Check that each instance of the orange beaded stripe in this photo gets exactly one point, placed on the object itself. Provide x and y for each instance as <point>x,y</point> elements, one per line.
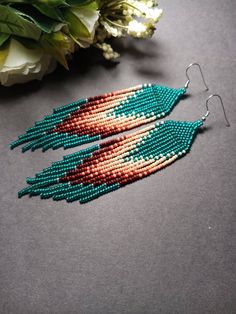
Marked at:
<point>92,118</point>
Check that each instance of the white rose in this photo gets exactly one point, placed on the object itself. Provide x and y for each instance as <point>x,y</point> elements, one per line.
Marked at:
<point>22,64</point>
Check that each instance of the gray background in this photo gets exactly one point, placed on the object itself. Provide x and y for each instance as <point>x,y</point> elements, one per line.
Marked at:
<point>165,244</point>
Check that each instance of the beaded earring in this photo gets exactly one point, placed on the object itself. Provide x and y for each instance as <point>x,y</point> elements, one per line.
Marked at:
<point>95,118</point>
<point>103,168</point>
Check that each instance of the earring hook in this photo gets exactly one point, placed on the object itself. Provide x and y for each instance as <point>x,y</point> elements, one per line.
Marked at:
<point>200,69</point>
<point>222,104</point>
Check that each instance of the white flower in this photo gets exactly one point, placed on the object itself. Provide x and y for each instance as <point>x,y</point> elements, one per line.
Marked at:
<point>134,17</point>
<point>108,51</point>
<point>114,31</point>
<point>150,12</point>
<point>137,29</point>
<point>154,14</point>
<point>22,64</point>
<point>135,26</point>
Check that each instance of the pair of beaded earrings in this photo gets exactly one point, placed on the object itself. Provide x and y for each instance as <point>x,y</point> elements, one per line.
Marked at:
<point>102,168</point>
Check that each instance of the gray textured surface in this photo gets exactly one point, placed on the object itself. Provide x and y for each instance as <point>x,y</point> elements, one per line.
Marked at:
<point>165,244</point>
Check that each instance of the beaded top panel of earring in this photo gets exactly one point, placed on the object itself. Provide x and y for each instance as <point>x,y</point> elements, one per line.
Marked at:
<point>89,173</point>
<point>91,119</point>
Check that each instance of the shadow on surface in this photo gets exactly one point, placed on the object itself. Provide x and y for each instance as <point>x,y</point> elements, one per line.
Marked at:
<point>84,61</point>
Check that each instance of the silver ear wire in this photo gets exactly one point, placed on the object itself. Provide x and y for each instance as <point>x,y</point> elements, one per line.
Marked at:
<point>208,112</point>
<point>200,69</point>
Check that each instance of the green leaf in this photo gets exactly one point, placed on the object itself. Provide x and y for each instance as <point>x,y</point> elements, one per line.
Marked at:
<point>53,13</point>
<point>53,3</point>
<point>45,23</point>
<point>3,38</point>
<point>85,3</point>
<point>12,23</point>
<point>57,45</point>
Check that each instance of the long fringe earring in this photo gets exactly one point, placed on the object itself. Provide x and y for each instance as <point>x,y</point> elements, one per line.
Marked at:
<point>92,119</point>
<point>103,168</point>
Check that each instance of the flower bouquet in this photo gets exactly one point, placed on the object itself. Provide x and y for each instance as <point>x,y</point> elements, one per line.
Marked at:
<point>35,35</point>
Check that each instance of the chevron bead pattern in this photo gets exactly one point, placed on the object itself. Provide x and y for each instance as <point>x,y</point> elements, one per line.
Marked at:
<point>91,119</point>
<point>100,169</point>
